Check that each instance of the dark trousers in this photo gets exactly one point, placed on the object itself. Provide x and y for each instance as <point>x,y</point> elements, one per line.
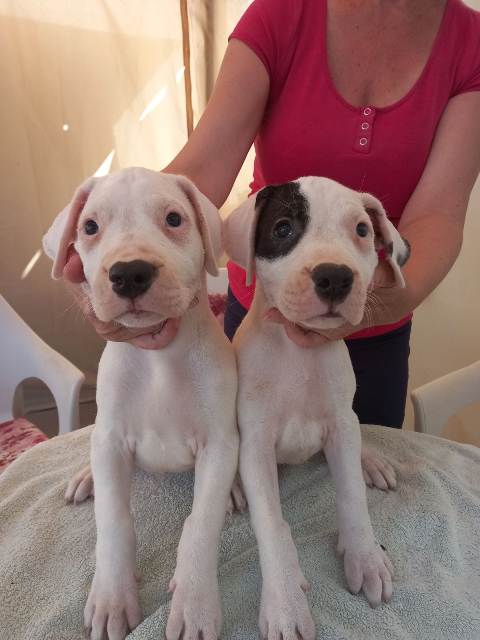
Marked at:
<point>380,364</point>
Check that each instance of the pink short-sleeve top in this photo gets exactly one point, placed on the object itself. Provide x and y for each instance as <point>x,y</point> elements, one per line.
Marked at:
<point>309,129</point>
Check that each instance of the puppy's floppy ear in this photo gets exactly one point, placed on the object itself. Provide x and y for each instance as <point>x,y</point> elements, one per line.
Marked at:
<point>209,223</point>
<point>239,231</point>
<point>62,232</point>
<point>396,248</point>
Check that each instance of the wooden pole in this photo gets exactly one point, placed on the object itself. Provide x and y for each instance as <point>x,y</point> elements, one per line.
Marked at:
<point>186,61</point>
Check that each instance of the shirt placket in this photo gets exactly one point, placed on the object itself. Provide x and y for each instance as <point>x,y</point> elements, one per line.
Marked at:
<point>363,138</point>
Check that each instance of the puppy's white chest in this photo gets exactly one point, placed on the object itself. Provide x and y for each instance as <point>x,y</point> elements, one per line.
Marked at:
<point>299,439</point>
<point>155,407</point>
<point>296,393</point>
<point>301,421</point>
<point>160,450</point>
<point>172,428</point>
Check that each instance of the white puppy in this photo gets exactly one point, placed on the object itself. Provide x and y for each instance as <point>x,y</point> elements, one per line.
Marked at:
<point>313,244</point>
<point>145,240</point>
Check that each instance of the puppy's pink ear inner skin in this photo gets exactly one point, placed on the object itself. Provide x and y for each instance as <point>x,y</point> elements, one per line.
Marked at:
<point>384,276</point>
<point>70,226</point>
<point>73,270</point>
<point>396,250</point>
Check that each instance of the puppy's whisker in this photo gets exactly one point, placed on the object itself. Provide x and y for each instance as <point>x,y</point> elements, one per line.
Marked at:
<point>368,317</point>
<point>377,302</point>
<point>372,304</point>
<point>72,305</point>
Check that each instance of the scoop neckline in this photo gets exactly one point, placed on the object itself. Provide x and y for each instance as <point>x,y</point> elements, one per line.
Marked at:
<point>413,88</point>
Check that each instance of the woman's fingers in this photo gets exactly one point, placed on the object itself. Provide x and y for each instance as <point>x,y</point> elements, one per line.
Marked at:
<point>158,339</point>
<point>306,338</point>
<point>302,338</point>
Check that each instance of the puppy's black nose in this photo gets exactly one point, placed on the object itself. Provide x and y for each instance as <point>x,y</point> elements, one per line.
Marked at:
<point>333,282</point>
<point>131,279</point>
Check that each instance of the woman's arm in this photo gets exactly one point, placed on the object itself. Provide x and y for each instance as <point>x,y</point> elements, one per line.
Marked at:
<point>434,217</point>
<point>214,154</point>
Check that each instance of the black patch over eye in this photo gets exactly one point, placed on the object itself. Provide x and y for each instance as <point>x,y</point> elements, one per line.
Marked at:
<point>362,229</point>
<point>282,220</point>
<point>282,229</point>
<point>91,227</point>
<point>174,219</point>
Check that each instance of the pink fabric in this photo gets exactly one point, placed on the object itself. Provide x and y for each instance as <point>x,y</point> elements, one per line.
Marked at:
<point>218,304</point>
<point>16,437</point>
<point>309,129</point>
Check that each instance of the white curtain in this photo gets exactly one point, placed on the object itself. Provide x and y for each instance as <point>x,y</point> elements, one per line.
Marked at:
<point>88,87</point>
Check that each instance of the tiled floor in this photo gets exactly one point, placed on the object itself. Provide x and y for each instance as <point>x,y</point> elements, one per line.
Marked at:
<point>39,406</point>
<point>47,420</point>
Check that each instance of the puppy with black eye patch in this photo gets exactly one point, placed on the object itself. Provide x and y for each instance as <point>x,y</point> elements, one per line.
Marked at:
<point>313,246</point>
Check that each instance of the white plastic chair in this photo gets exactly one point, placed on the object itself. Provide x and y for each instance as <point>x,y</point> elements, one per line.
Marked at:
<point>435,402</point>
<point>24,355</point>
<point>218,284</point>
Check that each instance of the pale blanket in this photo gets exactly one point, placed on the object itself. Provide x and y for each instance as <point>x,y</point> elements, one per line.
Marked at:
<point>430,527</point>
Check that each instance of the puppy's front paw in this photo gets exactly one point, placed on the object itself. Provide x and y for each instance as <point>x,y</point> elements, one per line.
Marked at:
<point>80,486</point>
<point>368,569</point>
<point>112,608</point>
<point>195,612</point>
<point>284,612</point>
<point>377,471</point>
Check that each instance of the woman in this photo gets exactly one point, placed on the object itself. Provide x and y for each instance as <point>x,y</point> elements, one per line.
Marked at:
<point>383,96</point>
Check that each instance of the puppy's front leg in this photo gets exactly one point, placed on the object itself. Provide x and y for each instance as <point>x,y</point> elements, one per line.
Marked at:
<point>195,610</point>
<point>367,566</point>
<point>284,610</point>
<point>112,604</point>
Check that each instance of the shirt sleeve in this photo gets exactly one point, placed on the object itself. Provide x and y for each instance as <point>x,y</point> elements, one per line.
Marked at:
<point>469,69</point>
<point>267,27</point>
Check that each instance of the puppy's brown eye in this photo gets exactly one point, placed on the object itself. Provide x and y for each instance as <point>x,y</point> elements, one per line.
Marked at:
<point>91,227</point>
<point>174,219</point>
<point>362,229</point>
<point>282,229</point>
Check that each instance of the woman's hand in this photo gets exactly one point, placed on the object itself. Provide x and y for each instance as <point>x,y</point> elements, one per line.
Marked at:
<point>151,338</point>
<point>307,338</point>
